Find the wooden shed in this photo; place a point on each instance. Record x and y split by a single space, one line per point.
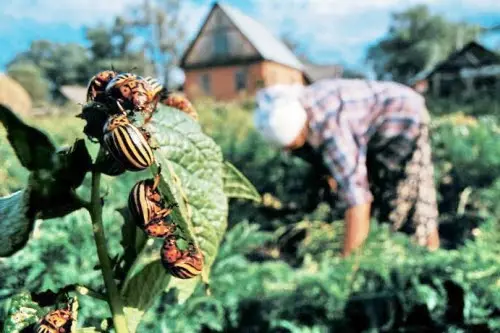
469 70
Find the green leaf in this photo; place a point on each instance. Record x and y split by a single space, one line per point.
48 194
22 313
236 185
73 164
52 192
427 295
192 176
142 291
86 330
15 223
133 241
33 147
184 288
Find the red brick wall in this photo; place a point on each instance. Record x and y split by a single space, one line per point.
279 74
223 79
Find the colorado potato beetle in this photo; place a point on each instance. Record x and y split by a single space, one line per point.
127 144
57 321
180 102
105 163
156 87
182 264
148 209
97 85
130 92
159 228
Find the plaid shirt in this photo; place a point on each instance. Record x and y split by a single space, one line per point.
345 114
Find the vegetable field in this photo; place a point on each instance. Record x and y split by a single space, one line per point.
278 266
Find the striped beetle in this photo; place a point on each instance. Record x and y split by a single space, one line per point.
127 144
58 321
130 92
148 209
157 88
157 91
105 163
97 85
182 264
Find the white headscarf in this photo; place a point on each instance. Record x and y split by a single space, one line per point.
280 116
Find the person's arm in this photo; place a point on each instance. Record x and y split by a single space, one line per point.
347 164
357 226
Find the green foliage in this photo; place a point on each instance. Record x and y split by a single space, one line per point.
31 78
23 312
46 66
191 176
60 63
417 40
237 186
470 145
21 136
281 271
385 286
111 47
142 290
54 174
480 105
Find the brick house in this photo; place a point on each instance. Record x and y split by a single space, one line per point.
233 55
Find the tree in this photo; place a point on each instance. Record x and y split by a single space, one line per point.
113 47
416 41
31 78
101 46
160 22
61 64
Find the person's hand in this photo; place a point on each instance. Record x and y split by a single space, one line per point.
332 183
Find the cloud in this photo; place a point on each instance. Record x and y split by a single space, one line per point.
76 13
336 30
72 12
332 30
193 14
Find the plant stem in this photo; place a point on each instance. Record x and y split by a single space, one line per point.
114 298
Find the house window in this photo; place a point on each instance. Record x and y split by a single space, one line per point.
205 83
240 79
220 42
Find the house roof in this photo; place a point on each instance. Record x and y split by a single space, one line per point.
266 44
77 94
480 56
316 72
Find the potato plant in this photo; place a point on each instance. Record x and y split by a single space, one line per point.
185 201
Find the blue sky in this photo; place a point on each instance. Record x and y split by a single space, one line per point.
334 30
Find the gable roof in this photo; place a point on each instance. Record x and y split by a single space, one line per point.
456 60
315 72
266 44
76 94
